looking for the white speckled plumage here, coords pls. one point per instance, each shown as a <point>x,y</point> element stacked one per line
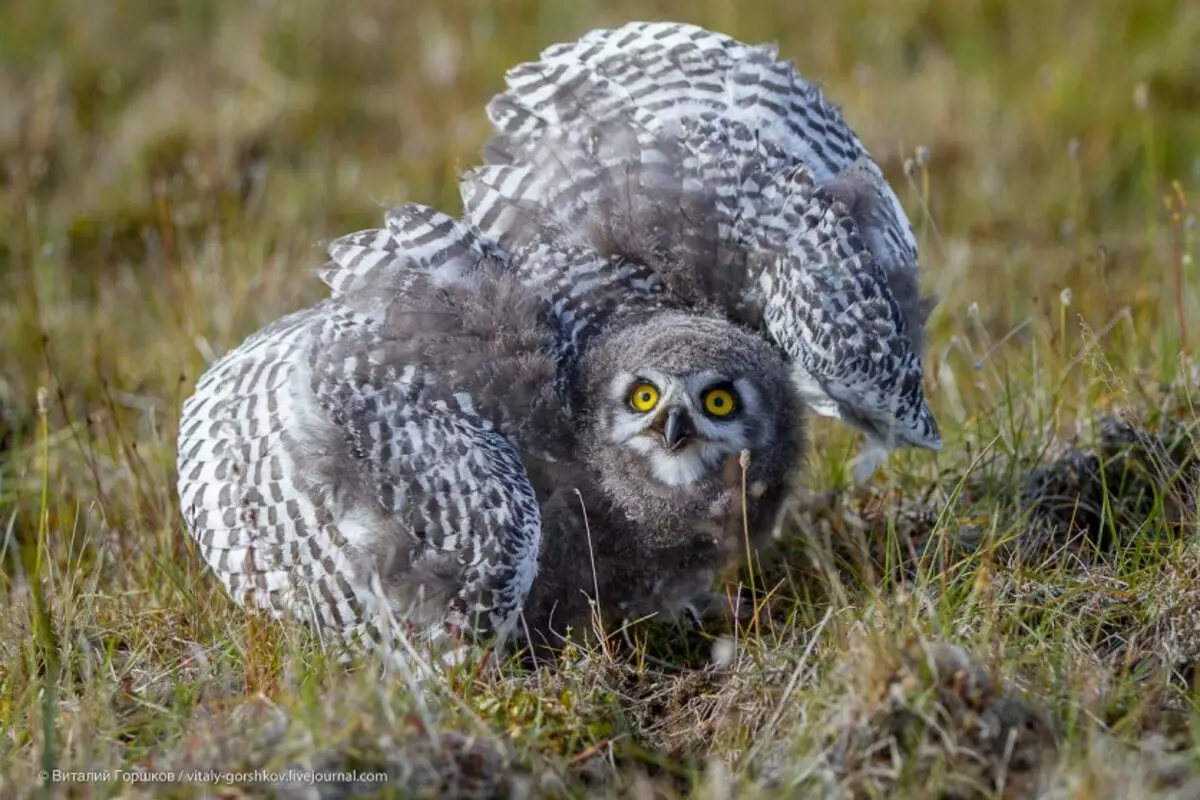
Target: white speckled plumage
<point>744,189</point>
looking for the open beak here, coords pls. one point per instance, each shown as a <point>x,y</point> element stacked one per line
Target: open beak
<point>677,428</point>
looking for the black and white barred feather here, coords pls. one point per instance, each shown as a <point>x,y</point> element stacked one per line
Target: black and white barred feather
<point>739,185</point>
<point>672,71</point>
<point>334,450</point>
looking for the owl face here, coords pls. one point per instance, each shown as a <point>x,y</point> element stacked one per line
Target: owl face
<point>674,398</point>
<point>685,425</point>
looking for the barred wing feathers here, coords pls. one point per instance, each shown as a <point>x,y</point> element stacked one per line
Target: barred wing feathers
<point>723,218</point>
<point>675,71</point>
<point>416,240</point>
<point>340,464</point>
<point>728,119</point>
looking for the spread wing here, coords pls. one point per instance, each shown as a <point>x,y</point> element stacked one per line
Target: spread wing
<point>358,463</point>
<point>706,125</point>
<point>675,71</point>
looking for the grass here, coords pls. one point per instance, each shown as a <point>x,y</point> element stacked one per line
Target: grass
<point>1018,616</point>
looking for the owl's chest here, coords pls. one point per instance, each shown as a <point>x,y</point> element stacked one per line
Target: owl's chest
<point>595,557</point>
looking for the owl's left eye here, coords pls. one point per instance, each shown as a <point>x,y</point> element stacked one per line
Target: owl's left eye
<point>719,402</point>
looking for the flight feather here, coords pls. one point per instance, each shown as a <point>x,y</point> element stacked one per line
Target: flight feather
<point>666,138</point>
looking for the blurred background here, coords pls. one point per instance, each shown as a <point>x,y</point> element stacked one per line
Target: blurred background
<point>168,171</point>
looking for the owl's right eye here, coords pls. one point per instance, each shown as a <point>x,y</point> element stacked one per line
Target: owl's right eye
<point>644,397</point>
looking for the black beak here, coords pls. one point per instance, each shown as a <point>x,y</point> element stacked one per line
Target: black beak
<point>677,429</point>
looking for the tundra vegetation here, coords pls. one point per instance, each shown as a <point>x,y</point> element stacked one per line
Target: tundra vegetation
<point>1016,616</point>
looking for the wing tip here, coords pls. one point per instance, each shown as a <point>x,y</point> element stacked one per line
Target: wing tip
<point>923,433</point>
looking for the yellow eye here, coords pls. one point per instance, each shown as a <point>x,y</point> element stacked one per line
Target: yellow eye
<point>644,397</point>
<point>719,402</point>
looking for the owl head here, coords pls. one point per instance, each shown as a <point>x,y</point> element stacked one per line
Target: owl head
<point>672,399</point>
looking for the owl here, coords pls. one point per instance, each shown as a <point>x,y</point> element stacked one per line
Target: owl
<point>714,168</point>
<point>438,455</point>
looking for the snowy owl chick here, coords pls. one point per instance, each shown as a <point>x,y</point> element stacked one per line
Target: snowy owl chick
<point>420,454</point>
<point>717,130</point>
